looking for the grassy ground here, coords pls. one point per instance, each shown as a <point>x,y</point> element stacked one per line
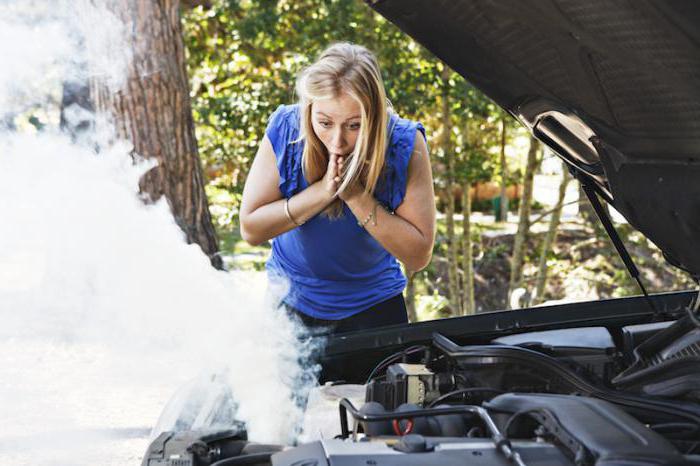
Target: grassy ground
<point>240,255</point>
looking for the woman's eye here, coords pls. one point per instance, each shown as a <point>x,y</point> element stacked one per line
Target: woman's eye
<point>354,126</point>
<point>326,124</point>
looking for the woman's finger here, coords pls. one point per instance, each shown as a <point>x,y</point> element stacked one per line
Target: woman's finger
<point>332,163</point>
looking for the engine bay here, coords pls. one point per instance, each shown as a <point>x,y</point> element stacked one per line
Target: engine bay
<point>580,396</point>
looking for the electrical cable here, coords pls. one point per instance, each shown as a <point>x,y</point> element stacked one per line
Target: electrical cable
<point>388,360</point>
<point>461,391</point>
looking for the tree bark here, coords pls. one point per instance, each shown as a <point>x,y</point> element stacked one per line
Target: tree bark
<point>467,257</point>
<point>504,173</point>
<point>153,111</point>
<point>538,295</point>
<point>452,272</point>
<point>517,259</point>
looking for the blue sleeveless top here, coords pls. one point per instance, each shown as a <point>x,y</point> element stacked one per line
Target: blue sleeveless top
<point>334,266</point>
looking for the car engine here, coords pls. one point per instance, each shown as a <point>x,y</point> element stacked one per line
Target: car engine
<point>560,397</point>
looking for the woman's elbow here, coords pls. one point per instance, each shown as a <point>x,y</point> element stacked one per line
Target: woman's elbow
<point>420,261</point>
<point>251,239</point>
<point>425,262</point>
<point>422,252</point>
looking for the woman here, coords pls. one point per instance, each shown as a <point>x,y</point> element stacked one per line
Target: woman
<point>344,187</point>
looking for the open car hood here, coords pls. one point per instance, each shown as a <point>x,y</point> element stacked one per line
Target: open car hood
<point>612,86</point>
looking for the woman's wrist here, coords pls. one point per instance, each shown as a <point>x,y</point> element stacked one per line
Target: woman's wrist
<point>288,213</point>
<point>322,195</point>
<point>300,207</point>
<point>361,205</point>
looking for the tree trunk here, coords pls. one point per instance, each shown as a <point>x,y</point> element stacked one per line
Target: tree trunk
<point>467,257</point>
<point>504,173</point>
<point>411,296</point>
<point>153,111</point>
<point>516,263</point>
<point>452,273</point>
<point>538,295</point>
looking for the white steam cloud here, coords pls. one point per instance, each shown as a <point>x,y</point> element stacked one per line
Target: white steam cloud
<point>104,309</point>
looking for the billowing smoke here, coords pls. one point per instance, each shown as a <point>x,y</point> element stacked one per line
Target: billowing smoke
<point>104,309</point>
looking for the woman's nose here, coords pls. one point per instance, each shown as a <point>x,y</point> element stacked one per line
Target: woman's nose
<point>338,140</point>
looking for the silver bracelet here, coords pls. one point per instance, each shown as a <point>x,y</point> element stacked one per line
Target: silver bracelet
<point>289,215</point>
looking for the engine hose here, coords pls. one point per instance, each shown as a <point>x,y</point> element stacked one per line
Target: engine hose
<point>483,355</point>
<point>253,458</point>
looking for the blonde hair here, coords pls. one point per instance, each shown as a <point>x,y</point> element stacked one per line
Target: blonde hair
<point>351,69</point>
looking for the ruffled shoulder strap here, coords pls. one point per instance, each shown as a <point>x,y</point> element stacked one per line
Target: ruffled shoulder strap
<point>401,141</point>
<point>283,132</point>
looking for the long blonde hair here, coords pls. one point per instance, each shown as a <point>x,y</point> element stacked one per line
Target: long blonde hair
<point>352,69</point>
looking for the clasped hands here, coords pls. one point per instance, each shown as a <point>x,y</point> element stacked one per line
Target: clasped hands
<point>334,178</point>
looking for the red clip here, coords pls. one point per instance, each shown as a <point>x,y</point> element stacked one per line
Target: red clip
<point>397,428</point>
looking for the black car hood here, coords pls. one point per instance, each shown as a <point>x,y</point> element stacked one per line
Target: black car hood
<point>613,86</point>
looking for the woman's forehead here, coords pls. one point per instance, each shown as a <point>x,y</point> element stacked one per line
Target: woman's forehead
<point>340,108</point>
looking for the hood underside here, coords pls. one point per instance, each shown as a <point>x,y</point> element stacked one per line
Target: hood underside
<point>612,86</point>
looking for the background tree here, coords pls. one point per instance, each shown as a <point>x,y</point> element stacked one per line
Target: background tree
<point>538,294</point>
<point>503,214</point>
<point>471,167</point>
<point>153,111</point>
<point>517,258</point>
<point>447,150</point>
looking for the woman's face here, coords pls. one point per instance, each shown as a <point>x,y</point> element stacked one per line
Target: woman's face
<point>336,123</point>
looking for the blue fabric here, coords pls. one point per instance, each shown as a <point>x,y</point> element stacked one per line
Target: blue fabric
<point>334,266</point>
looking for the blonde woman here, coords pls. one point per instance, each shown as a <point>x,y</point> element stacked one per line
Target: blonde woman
<point>343,187</point>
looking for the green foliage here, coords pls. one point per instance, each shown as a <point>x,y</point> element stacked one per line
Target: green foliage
<point>430,306</point>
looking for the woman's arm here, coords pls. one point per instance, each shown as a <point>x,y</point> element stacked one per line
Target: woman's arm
<point>409,235</point>
<point>262,212</point>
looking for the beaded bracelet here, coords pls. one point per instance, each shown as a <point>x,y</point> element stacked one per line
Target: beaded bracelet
<point>372,216</point>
